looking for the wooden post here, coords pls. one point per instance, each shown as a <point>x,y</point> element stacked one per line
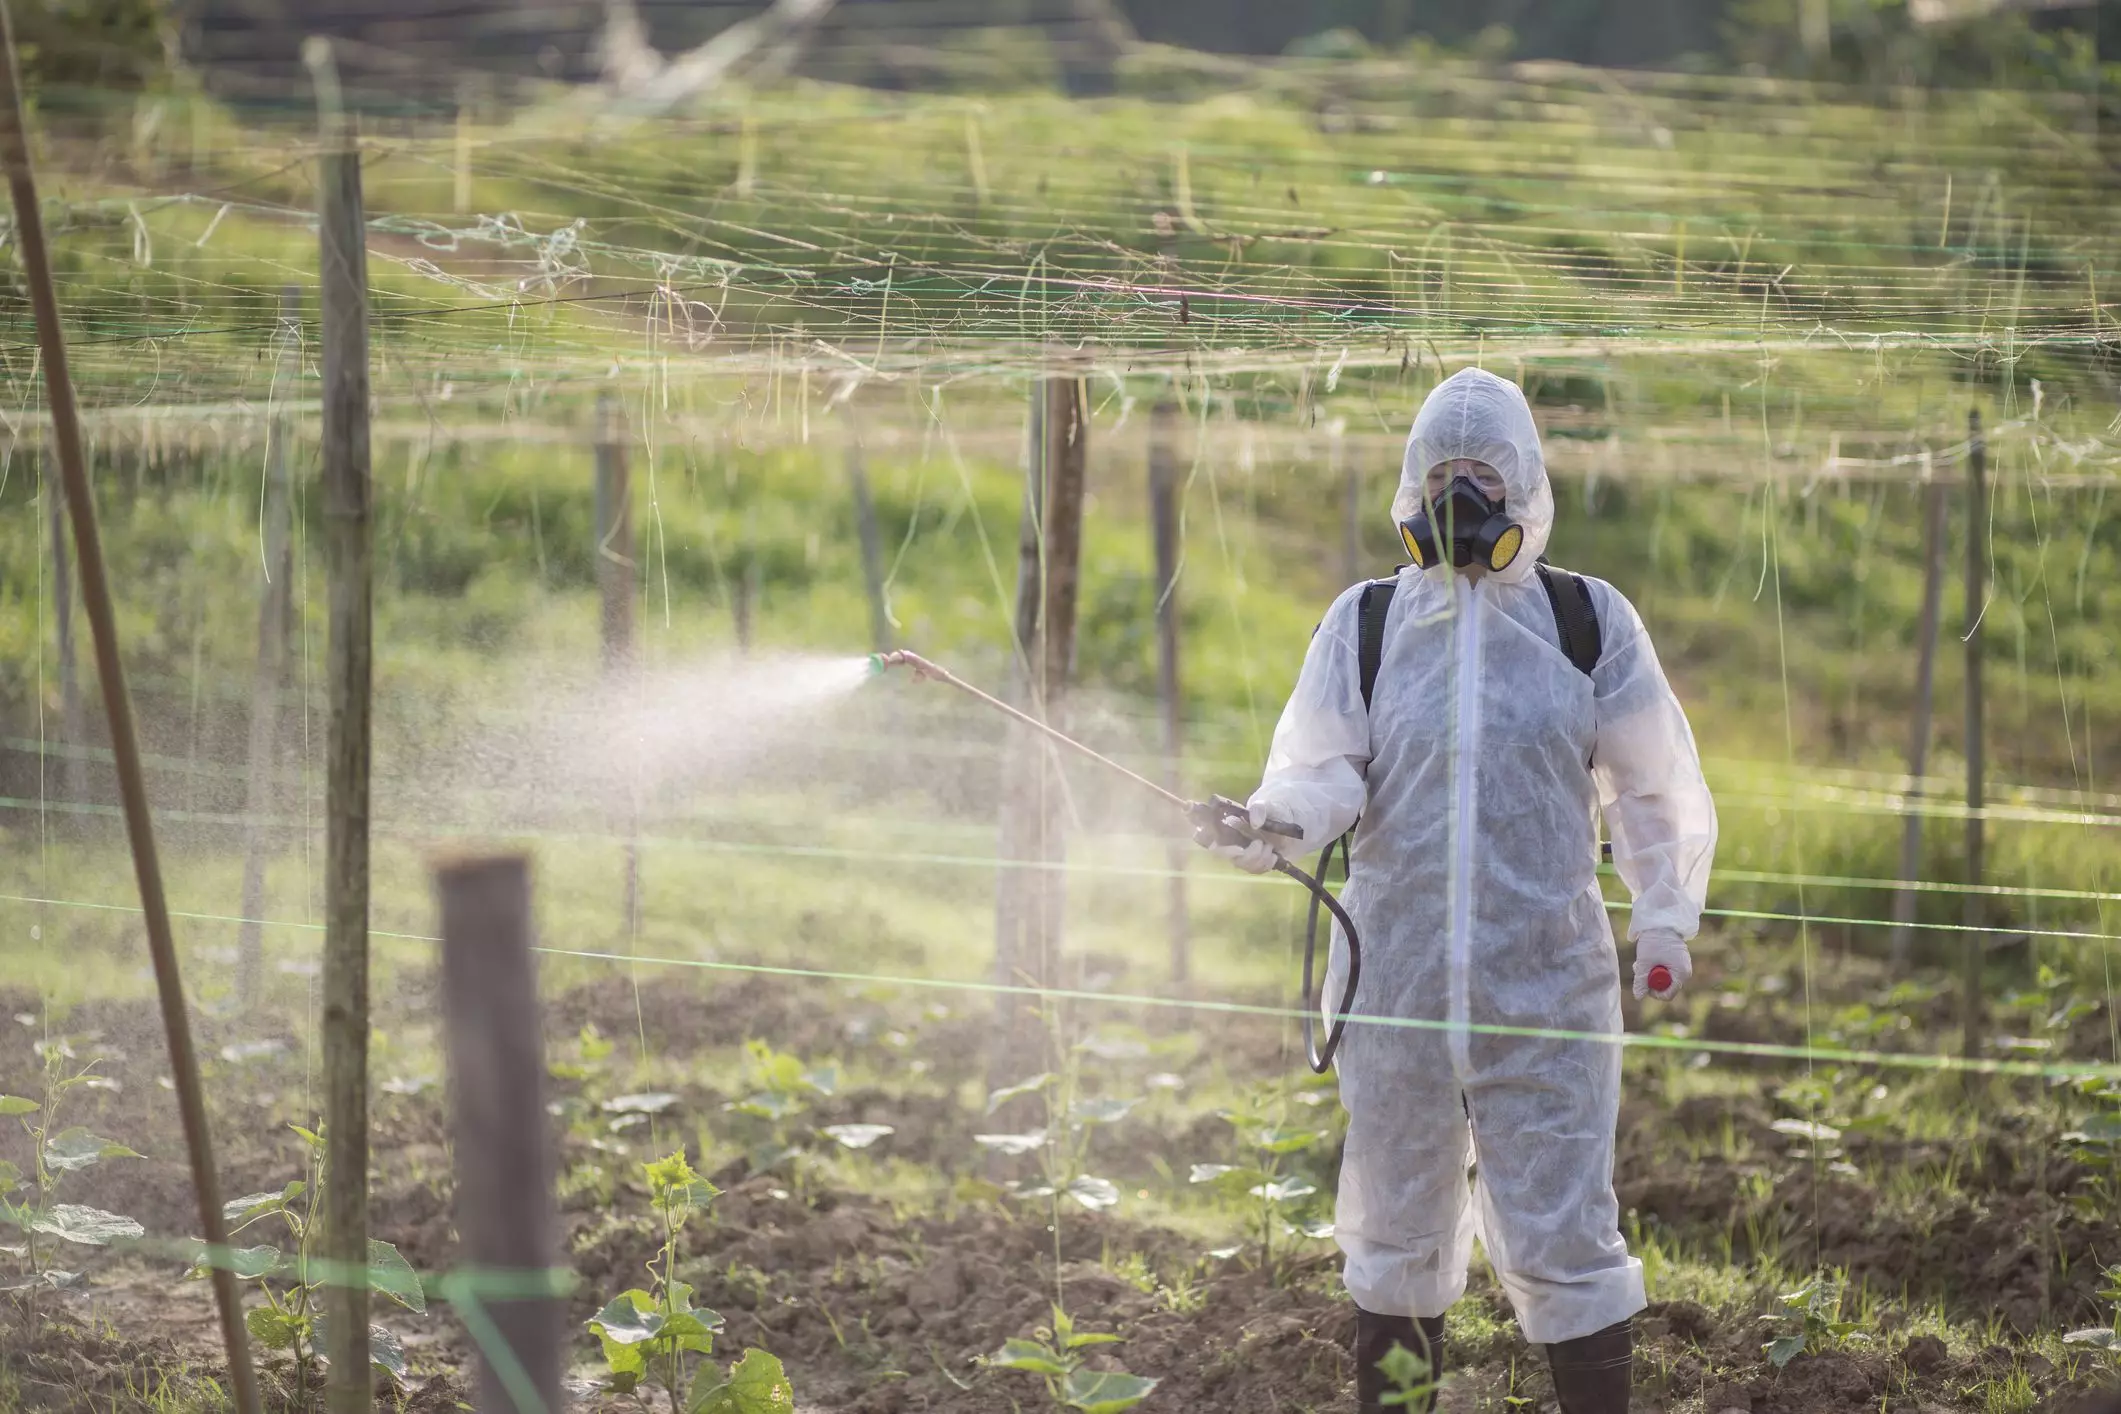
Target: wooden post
<point>872,550</point>
<point>349,565</point>
<point>72,722</point>
<point>1977,530</point>
<point>617,572</point>
<point>505,1212</point>
<point>1933,519</point>
<point>275,609</point>
<point>618,584</point>
<point>1065,466</point>
<point>1164,529</point>
<point>118,708</point>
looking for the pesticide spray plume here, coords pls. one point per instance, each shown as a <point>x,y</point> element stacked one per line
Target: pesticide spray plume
<point>1216,821</point>
<point>925,671</point>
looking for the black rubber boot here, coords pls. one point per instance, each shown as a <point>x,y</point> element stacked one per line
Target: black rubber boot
<point>1595,1374</point>
<point>1374,1338</point>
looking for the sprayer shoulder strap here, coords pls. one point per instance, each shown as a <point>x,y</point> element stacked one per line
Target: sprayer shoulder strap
<point>1575,617</point>
<point>1575,621</point>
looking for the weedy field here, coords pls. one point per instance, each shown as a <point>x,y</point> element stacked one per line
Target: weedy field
<point>798,1149</point>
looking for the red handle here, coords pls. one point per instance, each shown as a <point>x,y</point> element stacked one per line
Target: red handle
<point>1660,978</point>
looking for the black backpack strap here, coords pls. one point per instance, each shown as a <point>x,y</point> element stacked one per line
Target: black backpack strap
<point>1575,617</point>
<point>1375,608</point>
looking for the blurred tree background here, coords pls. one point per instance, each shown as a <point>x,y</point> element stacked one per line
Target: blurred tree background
<point>433,47</point>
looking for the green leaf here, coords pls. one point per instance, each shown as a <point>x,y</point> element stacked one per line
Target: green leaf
<point>649,1104</point>
<point>1101,1111</point>
<point>1784,1349</point>
<point>1285,1190</point>
<point>76,1148</point>
<point>275,1330</point>
<point>91,1227</point>
<point>309,1136</point>
<point>1208,1173</point>
<point>2098,1337</point>
<point>1029,1356</point>
<point>254,1205</point>
<point>691,1330</point>
<point>1076,1341</point>
<point>10,1178</point>
<point>825,1079</point>
<point>1285,1141</point>
<point>246,1263</point>
<point>756,1384</point>
<point>1003,1096</point>
<point>1011,1144</point>
<point>630,1319</point>
<point>386,1352</point>
<point>1317,1229</point>
<point>1104,1391</point>
<point>16,1105</point>
<point>1403,1369</point>
<point>856,1136</point>
<point>767,1104</point>
<point>391,1274</point>
<point>1096,1194</point>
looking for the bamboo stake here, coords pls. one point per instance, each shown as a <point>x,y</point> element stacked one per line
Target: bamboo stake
<point>117,706</point>
<point>349,567</point>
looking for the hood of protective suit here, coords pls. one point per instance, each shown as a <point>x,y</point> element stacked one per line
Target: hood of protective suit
<point>1479,417</point>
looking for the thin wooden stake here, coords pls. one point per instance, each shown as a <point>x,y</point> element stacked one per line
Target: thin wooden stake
<point>1934,515</point>
<point>506,1216</point>
<point>72,721</point>
<point>275,610</point>
<point>117,706</point>
<point>349,567</point>
<point>1976,602</point>
<point>872,550</point>
<point>1164,528</point>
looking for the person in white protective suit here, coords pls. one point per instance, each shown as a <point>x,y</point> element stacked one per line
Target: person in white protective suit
<point>1479,771</point>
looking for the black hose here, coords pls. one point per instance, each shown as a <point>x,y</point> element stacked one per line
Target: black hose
<point>1321,1059</point>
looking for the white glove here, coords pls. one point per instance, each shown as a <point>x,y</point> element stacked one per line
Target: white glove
<point>1255,856</point>
<point>1661,947</point>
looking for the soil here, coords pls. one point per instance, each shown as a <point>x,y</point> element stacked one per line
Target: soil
<point>877,1308</point>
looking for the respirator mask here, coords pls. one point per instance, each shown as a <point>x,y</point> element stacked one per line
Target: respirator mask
<point>1474,530</point>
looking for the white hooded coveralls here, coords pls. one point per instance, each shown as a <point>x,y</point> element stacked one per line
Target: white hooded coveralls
<point>1479,772</point>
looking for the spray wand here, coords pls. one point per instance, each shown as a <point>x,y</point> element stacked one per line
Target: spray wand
<point>1216,821</point>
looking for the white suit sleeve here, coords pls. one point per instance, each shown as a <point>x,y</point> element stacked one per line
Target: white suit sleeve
<point>1316,774</point>
<point>1658,812</point>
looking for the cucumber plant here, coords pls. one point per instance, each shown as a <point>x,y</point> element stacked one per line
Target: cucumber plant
<point>1063,1144</point>
<point>1279,1199</point>
<point>293,1280</point>
<point>1053,1355</point>
<point>1812,1320</point>
<point>55,1152</point>
<point>648,1336</point>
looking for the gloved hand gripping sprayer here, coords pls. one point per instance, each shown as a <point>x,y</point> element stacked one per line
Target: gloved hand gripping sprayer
<point>1216,821</point>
